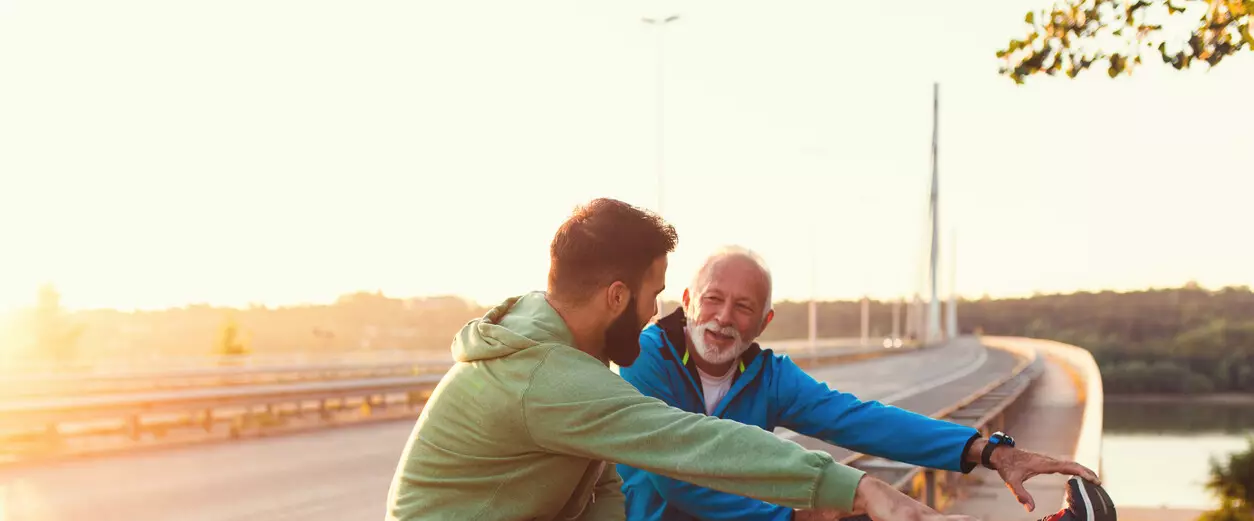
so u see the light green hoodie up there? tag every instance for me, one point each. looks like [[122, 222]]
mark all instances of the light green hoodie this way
[[525, 426]]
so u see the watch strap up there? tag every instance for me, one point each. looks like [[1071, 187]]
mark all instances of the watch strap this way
[[986, 454]]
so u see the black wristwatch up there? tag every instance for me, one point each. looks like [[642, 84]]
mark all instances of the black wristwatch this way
[[996, 439]]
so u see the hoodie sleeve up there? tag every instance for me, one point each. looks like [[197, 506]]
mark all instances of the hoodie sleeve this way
[[811, 408], [574, 405]]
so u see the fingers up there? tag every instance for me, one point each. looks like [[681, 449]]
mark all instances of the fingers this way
[[1086, 473], [1089, 475], [1075, 469], [1021, 494]]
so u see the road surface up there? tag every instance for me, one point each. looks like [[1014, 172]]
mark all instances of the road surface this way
[[343, 474], [1049, 423]]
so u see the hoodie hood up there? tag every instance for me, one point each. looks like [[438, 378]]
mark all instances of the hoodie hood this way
[[517, 323]]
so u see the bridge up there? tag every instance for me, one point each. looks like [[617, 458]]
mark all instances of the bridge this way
[[316, 442], [321, 441]]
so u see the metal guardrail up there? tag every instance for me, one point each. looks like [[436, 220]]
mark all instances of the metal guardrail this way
[[801, 345], [988, 410], [70, 409], [1083, 368], [70, 384], [241, 372], [311, 355], [50, 420]]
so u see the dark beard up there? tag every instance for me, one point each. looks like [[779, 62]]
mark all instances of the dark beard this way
[[622, 338]]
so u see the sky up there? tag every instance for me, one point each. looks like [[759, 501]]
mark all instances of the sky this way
[[156, 153]]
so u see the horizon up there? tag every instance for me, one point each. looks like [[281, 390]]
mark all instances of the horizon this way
[[1190, 285], [350, 149]]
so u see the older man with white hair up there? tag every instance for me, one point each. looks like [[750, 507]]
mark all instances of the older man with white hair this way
[[702, 358]]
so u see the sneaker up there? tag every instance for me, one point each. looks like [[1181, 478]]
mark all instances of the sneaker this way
[[1085, 501]]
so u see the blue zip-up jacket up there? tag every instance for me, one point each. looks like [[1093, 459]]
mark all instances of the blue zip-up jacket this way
[[770, 391]]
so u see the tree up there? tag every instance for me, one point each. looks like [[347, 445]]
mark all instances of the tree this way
[[1228, 511], [1076, 35], [229, 339], [55, 336], [1233, 483]]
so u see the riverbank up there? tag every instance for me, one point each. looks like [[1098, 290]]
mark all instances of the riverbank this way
[[1143, 435], [1214, 398], [1159, 514]]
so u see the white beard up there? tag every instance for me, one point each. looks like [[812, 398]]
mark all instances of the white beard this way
[[696, 333]]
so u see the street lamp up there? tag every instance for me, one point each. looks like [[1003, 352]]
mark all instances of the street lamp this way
[[661, 24], [813, 221]]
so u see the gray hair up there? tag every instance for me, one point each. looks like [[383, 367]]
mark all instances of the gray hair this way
[[699, 280]]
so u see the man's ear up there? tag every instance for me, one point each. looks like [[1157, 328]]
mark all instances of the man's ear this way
[[618, 296], [686, 309], [770, 315]]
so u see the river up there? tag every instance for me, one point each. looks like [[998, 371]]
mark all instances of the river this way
[[1155, 453]]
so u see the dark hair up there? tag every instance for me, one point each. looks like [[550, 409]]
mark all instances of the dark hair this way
[[604, 241]]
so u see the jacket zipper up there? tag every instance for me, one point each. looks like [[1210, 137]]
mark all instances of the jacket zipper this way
[[683, 369], [691, 381]]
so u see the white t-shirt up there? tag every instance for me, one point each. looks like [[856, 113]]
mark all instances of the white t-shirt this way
[[715, 387]]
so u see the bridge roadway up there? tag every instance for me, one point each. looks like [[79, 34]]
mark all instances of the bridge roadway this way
[[1048, 423], [343, 474]]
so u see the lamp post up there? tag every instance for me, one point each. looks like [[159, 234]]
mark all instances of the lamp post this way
[[812, 220], [660, 93], [659, 134], [813, 312]]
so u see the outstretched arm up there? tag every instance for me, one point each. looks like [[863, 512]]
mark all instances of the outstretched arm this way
[[576, 406], [812, 408], [897, 434]]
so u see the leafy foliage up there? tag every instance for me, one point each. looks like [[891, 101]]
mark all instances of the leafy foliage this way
[[1233, 483], [1227, 512], [355, 322], [1182, 340], [1075, 35]]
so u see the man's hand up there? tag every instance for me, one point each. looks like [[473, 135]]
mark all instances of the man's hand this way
[[881, 502], [1016, 466]]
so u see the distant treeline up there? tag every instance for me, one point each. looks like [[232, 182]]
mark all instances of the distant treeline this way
[[1183, 340], [1170, 340], [353, 323]]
